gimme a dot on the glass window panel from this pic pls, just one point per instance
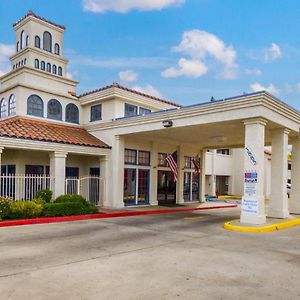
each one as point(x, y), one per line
point(35, 106)
point(54, 110)
point(144, 158)
point(130, 156)
point(187, 186)
point(96, 112)
point(143, 187)
point(144, 111)
point(129, 186)
point(130, 110)
point(72, 113)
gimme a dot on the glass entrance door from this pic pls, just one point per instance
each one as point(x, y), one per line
point(166, 188)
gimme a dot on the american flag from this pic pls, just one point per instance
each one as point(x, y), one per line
point(172, 164)
point(196, 166)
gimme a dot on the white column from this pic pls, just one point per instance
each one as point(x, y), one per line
point(1, 150)
point(179, 184)
point(116, 182)
point(58, 172)
point(104, 175)
point(254, 212)
point(202, 176)
point(213, 173)
point(153, 174)
point(295, 180)
point(279, 166)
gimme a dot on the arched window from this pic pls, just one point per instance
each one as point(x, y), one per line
point(36, 63)
point(47, 41)
point(56, 49)
point(54, 69)
point(48, 67)
point(22, 62)
point(18, 44)
point(72, 113)
point(54, 110)
point(35, 106)
point(2, 108)
point(43, 65)
point(59, 71)
point(22, 39)
point(12, 105)
point(37, 41)
point(25, 61)
point(27, 40)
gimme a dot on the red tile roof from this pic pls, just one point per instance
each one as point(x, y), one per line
point(31, 13)
point(26, 128)
point(117, 85)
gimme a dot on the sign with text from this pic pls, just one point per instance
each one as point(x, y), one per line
point(251, 156)
point(250, 200)
point(250, 206)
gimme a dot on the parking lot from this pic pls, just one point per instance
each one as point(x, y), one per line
point(182, 255)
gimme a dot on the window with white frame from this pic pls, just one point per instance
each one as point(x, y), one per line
point(96, 112)
point(144, 111)
point(130, 156)
point(2, 108)
point(12, 105)
point(144, 158)
point(130, 110)
point(223, 151)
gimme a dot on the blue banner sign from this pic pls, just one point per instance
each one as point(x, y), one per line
point(251, 156)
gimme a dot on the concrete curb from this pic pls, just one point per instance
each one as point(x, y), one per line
point(106, 216)
point(267, 228)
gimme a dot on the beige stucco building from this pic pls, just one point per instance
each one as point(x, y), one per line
point(111, 144)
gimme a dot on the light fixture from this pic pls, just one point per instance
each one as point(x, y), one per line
point(167, 123)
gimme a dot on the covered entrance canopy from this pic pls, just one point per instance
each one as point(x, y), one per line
point(252, 121)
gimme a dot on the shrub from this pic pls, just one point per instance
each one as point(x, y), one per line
point(5, 207)
point(68, 209)
point(45, 195)
point(25, 210)
point(71, 198)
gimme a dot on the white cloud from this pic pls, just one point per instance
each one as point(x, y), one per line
point(272, 89)
point(5, 52)
point(124, 6)
point(186, 68)
point(128, 76)
point(255, 71)
point(199, 45)
point(148, 89)
point(273, 53)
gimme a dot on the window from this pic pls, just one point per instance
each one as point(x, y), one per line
point(187, 162)
point(143, 187)
point(37, 41)
point(22, 39)
point(18, 44)
point(2, 108)
point(36, 63)
point(47, 41)
point(12, 105)
point(289, 166)
point(187, 186)
point(96, 112)
point(27, 40)
point(49, 67)
point(144, 111)
point(72, 113)
point(54, 110)
point(130, 156)
point(162, 159)
point(129, 186)
point(25, 61)
point(43, 65)
point(54, 69)
point(130, 110)
point(35, 106)
point(56, 49)
point(223, 151)
point(144, 158)
point(59, 71)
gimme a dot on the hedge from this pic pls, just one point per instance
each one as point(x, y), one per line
point(24, 210)
point(68, 209)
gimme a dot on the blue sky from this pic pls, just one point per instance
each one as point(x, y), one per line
point(185, 51)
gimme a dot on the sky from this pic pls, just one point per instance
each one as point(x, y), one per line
point(182, 50)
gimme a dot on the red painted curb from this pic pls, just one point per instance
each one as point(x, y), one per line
point(105, 216)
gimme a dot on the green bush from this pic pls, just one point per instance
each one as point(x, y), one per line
point(5, 207)
point(70, 198)
point(56, 209)
point(45, 195)
point(25, 210)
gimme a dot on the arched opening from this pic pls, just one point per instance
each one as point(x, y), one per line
point(59, 71)
point(54, 69)
point(12, 105)
point(37, 41)
point(56, 49)
point(22, 39)
point(2, 108)
point(72, 113)
point(35, 106)
point(36, 63)
point(54, 110)
point(47, 41)
point(49, 67)
point(43, 65)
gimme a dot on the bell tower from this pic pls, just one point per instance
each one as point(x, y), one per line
point(39, 45)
